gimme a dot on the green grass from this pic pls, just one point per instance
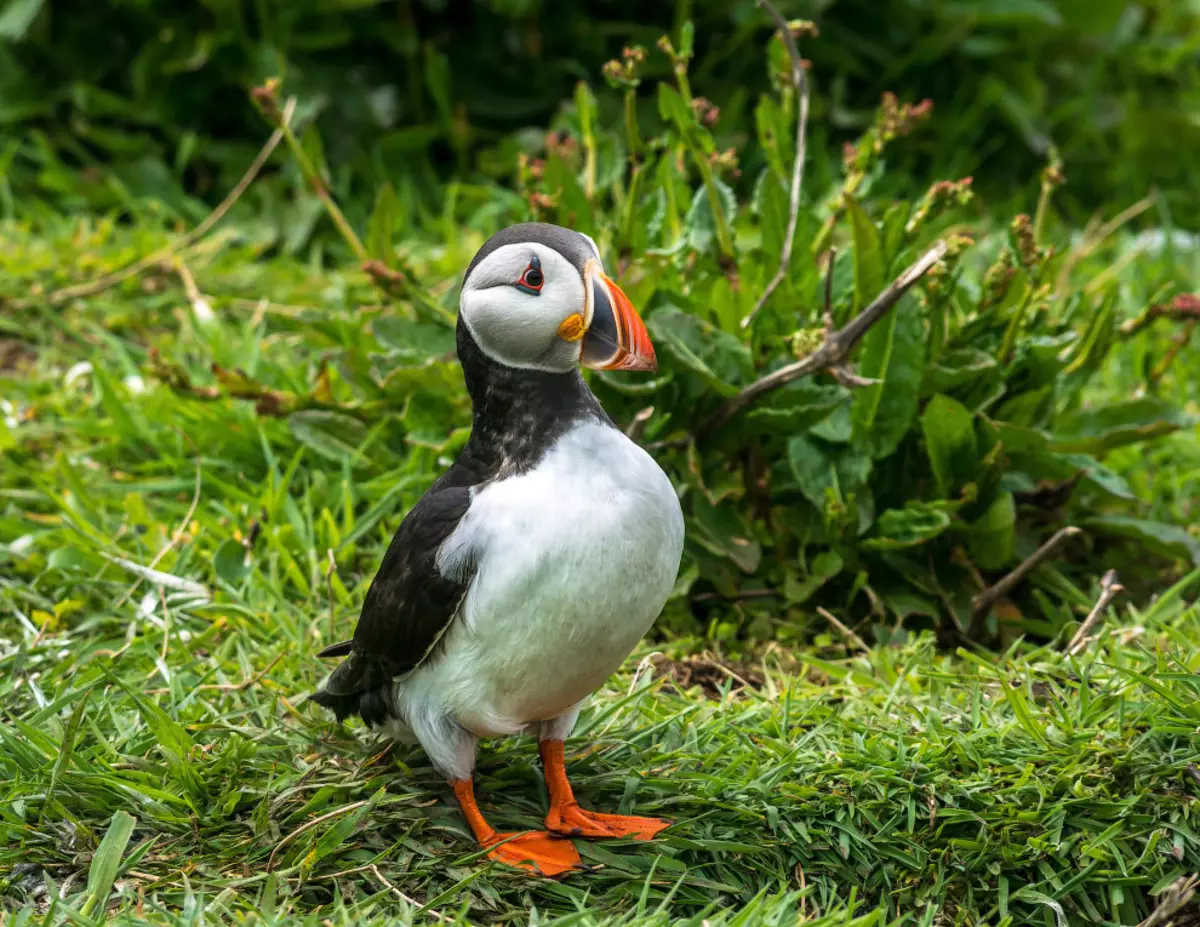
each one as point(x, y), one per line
point(902, 786)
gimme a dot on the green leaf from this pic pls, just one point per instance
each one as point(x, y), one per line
point(914, 524)
point(1166, 540)
point(991, 538)
point(722, 531)
point(956, 368)
point(672, 108)
point(869, 268)
point(585, 106)
point(719, 357)
point(700, 225)
point(1101, 429)
point(892, 351)
point(382, 224)
point(17, 17)
point(230, 562)
point(822, 470)
point(800, 406)
point(437, 81)
point(825, 566)
point(332, 435)
point(417, 342)
point(107, 861)
point(949, 431)
point(115, 402)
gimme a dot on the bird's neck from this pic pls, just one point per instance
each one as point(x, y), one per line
point(518, 413)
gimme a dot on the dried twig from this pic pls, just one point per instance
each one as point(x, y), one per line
point(834, 350)
point(1110, 588)
point(637, 427)
point(800, 82)
point(1174, 896)
point(418, 908)
point(309, 826)
point(92, 287)
point(842, 629)
point(990, 596)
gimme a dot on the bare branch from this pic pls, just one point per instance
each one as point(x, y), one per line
point(800, 82)
point(849, 379)
point(1174, 897)
point(1110, 588)
point(834, 350)
point(990, 596)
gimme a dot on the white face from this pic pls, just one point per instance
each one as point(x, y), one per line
point(516, 322)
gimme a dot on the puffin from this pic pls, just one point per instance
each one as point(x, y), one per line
point(533, 566)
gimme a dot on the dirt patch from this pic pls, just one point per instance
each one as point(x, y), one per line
point(710, 673)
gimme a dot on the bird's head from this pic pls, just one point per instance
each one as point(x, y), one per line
point(536, 297)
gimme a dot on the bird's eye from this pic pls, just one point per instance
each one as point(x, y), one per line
point(531, 281)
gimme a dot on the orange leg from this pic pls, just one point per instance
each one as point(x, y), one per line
point(568, 819)
point(536, 851)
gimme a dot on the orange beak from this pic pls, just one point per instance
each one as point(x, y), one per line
point(616, 337)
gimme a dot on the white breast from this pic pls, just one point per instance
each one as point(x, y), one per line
point(573, 562)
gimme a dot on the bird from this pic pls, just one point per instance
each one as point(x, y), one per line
point(533, 566)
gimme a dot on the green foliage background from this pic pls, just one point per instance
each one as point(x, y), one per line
point(150, 95)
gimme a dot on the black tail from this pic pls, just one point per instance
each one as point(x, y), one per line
point(358, 686)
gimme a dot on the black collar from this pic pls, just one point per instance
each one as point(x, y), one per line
point(517, 414)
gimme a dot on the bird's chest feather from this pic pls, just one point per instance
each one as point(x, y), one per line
point(573, 561)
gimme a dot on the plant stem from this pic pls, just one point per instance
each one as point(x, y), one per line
point(317, 183)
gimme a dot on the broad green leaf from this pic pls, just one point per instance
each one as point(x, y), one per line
point(799, 406)
point(836, 427)
point(819, 468)
point(869, 269)
point(991, 538)
point(957, 368)
point(414, 341)
point(722, 531)
point(700, 225)
point(824, 567)
point(107, 861)
point(892, 351)
point(914, 524)
point(334, 436)
point(718, 356)
point(1163, 539)
point(892, 239)
point(1103, 428)
point(950, 443)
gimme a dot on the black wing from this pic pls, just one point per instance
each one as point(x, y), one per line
point(407, 610)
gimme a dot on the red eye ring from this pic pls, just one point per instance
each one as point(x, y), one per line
point(532, 280)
